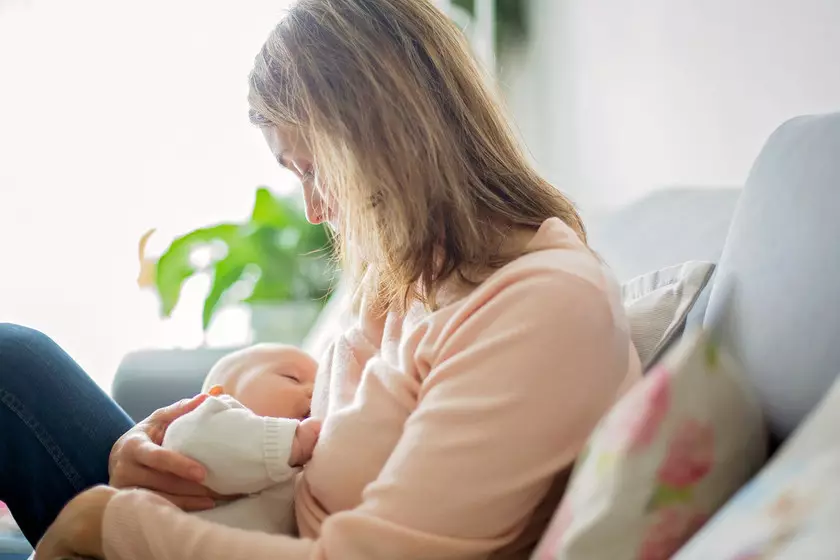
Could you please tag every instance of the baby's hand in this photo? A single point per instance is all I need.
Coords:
(306, 436)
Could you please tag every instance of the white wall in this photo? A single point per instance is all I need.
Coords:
(615, 98)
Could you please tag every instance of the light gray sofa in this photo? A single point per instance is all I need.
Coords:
(776, 241)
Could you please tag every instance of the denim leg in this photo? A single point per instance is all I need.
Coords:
(57, 428)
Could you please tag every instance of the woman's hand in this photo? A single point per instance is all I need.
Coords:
(138, 460)
(77, 531)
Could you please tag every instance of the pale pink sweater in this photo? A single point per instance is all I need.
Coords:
(447, 435)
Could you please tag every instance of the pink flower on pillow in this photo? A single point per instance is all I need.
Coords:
(636, 420)
(553, 538)
(658, 402)
(691, 455)
(6, 522)
(670, 530)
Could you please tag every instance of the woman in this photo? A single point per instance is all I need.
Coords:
(490, 340)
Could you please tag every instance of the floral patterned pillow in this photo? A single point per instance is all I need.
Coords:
(6, 521)
(669, 454)
(791, 511)
(12, 542)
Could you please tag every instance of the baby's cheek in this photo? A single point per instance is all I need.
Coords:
(297, 400)
(278, 399)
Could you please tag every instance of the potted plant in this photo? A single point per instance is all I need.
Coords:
(511, 19)
(284, 261)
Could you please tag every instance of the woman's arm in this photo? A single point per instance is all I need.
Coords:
(507, 404)
(77, 531)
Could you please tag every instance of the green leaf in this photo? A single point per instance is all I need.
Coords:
(174, 267)
(270, 292)
(270, 210)
(511, 19)
(228, 271)
(278, 269)
(712, 355)
(315, 239)
(468, 5)
(665, 496)
(293, 257)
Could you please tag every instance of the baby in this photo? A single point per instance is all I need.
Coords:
(252, 434)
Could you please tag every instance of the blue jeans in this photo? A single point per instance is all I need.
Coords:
(57, 428)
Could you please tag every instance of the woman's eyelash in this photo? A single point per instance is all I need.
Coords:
(310, 174)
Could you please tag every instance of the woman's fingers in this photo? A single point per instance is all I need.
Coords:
(170, 484)
(189, 503)
(157, 458)
(169, 414)
(133, 474)
(224, 497)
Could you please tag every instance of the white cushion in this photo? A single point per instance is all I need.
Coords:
(658, 302)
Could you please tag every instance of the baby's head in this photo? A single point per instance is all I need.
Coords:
(270, 379)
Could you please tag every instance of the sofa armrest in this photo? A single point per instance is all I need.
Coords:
(150, 379)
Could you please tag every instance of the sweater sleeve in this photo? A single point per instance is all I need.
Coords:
(506, 401)
(242, 452)
(143, 526)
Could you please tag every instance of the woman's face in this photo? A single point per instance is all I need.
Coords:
(291, 152)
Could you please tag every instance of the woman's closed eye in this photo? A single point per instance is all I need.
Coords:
(304, 171)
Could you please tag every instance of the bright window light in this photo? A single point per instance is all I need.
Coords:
(117, 117)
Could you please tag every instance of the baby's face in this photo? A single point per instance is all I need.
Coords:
(285, 393)
(271, 380)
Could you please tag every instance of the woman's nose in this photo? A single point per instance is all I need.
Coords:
(314, 204)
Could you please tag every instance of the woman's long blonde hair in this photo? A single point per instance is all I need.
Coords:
(406, 136)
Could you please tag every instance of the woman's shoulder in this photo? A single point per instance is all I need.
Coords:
(558, 284)
(556, 304)
(556, 260)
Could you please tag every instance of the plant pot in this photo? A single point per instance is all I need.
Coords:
(286, 323)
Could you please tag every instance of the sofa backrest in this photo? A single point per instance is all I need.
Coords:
(667, 227)
(777, 291)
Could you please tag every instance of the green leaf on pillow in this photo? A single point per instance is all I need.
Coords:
(605, 463)
(712, 356)
(665, 496)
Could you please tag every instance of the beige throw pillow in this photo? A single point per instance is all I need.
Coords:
(657, 304)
